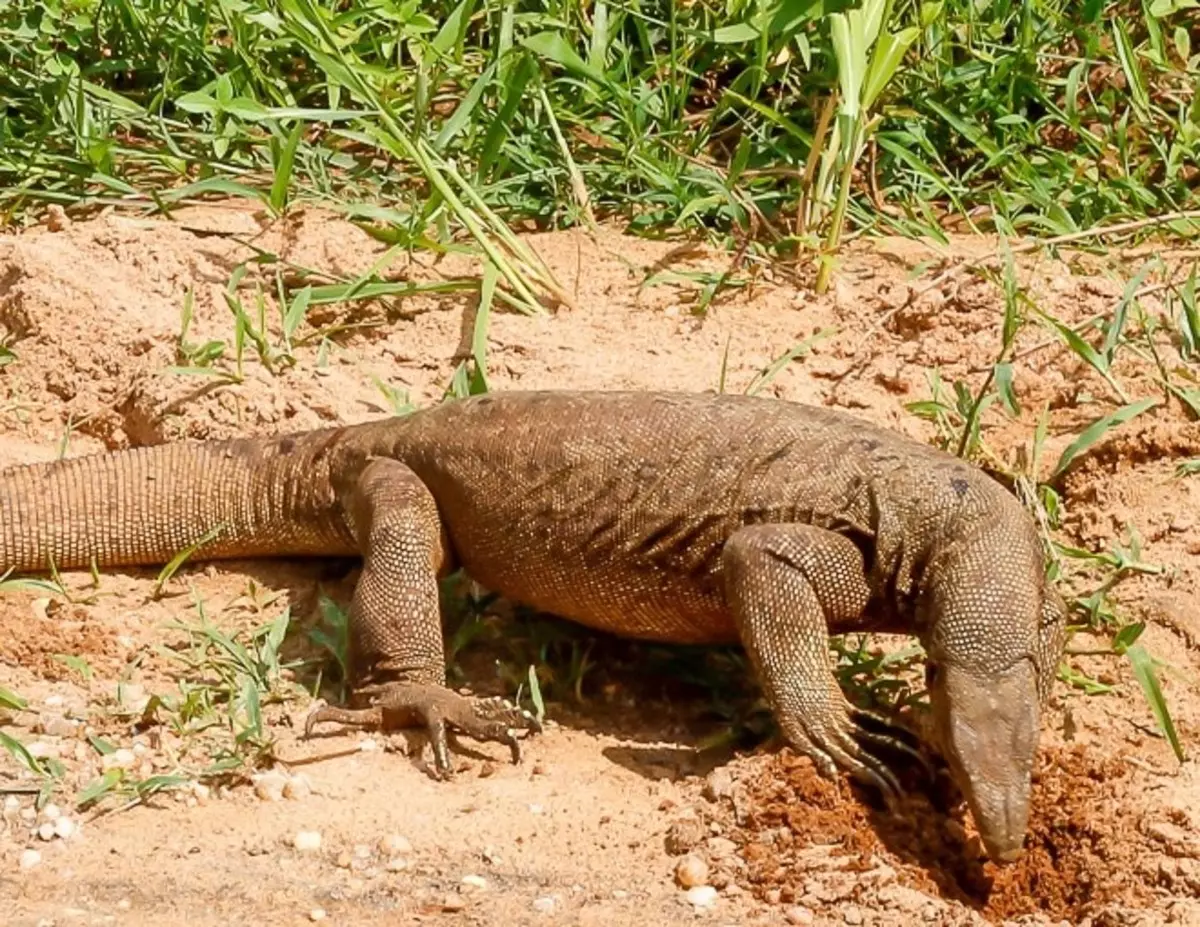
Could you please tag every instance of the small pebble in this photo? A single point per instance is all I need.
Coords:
(124, 904)
(200, 792)
(396, 864)
(474, 881)
(798, 914)
(119, 759)
(297, 788)
(683, 835)
(51, 812)
(718, 784)
(701, 896)
(395, 845)
(691, 872)
(367, 744)
(269, 786)
(46, 830)
(852, 915)
(721, 847)
(453, 903)
(30, 858)
(544, 905)
(316, 914)
(56, 726)
(362, 851)
(53, 701)
(307, 841)
(64, 828)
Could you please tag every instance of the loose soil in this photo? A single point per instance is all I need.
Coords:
(590, 826)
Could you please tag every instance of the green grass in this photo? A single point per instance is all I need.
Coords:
(449, 119)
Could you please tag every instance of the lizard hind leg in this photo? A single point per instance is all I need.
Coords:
(397, 655)
(787, 585)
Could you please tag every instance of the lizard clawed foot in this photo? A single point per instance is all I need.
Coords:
(436, 708)
(838, 746)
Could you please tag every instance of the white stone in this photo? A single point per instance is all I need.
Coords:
(307, 841)
(701, 896)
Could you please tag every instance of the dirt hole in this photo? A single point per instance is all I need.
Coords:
(1079, 855)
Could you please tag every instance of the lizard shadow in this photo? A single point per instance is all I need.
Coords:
(679, 710)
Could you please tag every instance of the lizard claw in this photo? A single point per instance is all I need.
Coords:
(436, 708)
(837, 747)
(883, 732)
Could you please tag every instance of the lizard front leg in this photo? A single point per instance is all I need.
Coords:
(786, 586)
(397, 655)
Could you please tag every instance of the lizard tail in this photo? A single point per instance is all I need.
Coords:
(238, 498)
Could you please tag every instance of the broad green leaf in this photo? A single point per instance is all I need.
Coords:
(736, 34)
(552, 46)
(888, 54)
(453, 28)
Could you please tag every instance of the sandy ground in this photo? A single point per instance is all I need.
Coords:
(590, 827)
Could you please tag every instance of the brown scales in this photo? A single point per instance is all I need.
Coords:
(676, 517)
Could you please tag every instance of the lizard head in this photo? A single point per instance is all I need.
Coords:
(995, 640)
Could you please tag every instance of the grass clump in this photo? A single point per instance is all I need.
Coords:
(772, 120)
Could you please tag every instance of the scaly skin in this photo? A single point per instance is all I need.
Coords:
(662, 516)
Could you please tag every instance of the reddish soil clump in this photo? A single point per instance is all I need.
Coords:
(1079, 856)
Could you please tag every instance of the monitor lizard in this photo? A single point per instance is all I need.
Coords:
(680, 517)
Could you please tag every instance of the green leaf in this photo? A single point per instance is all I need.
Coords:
(736, 34)
(101, 746)
(462, 113)
(1127, 636)
(1129, 64)
(1098, 429)
(552, 46)
(1147, 677)
(453, 28)
(21, 754)
(10, 700)
(76, 663)
(284, 165)
(887, 57)
(535, 694)
(297, 311)
(98, 788)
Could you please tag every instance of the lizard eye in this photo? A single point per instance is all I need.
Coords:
(931, 675)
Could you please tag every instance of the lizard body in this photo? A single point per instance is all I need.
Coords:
(677, 517)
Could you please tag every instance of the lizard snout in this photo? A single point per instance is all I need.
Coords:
(988, 724)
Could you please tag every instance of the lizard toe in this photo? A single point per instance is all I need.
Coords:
(879, 731)
(354, 717)
(850, 755)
